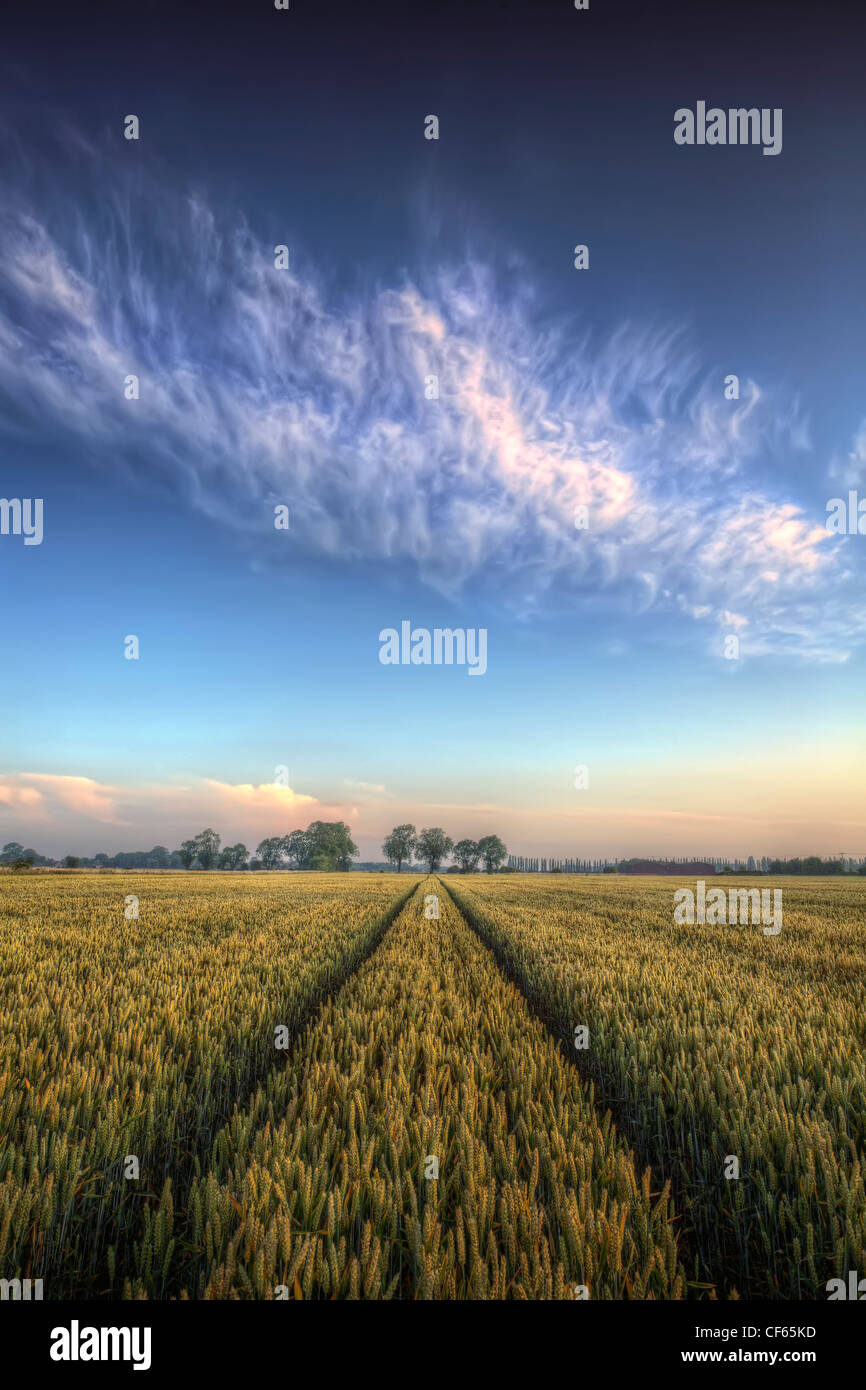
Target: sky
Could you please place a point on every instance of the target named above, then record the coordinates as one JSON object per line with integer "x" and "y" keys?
{"x": 466, "y": 430}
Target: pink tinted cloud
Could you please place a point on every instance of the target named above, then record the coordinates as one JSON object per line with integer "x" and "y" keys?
{"x": 36, "y": 795}
{"x": 66, "y": 808}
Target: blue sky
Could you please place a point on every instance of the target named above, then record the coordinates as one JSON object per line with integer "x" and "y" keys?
{"x": 557, "y": 388}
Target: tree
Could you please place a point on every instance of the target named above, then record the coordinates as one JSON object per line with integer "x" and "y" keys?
{"x": 188, "y": 852}
{"x": 434, "y": 845}
{"x": 400, "y": 845}
{"x": 331, "y": 846}
{"x": 159, "y": 857}
{"x": 270, "y": 852}
{"x": 324, "y": 845}
{"x": 297, "y": 848}
{"x": 492, "y": 851}
{"x": 208, "y": 847}
{"x": 71, "y": 861}
{"x": 467, "y": 854}
{"x": 13, "y": 854}
{"x": 234, "y": 857}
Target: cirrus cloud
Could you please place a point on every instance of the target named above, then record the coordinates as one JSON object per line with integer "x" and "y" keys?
{"x": 259, "y": 386}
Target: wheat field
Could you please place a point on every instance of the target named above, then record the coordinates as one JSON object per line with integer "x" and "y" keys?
{"x": 289, "y": 1085}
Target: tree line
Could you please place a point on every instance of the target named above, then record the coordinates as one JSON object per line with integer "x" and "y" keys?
{"x": 433, "y": 847}
{"x": 324, "y": 845}
{"x": 328, "y": 846}
{"x": 812, "y": 864}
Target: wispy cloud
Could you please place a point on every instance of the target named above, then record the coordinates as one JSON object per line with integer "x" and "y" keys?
{"x": 851, "y": 470}
{"x": 258, "y": 386}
